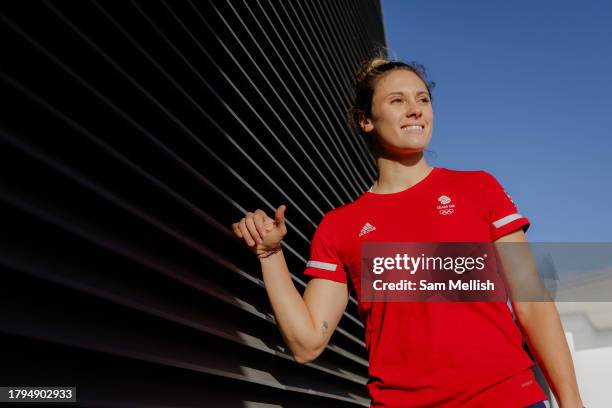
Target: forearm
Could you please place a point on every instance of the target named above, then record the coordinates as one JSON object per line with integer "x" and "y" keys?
{"x": 545, "y": 336}
{"x": 292, "y": 315}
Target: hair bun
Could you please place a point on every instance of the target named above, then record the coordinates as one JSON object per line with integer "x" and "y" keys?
{"x": 368, "y": 66}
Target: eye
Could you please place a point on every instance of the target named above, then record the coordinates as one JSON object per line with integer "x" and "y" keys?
{"x": 425, "y": 100}
{"x": 396, "y": 100}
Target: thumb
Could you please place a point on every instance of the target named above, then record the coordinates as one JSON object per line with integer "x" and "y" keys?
{"x": 279, "y": 217}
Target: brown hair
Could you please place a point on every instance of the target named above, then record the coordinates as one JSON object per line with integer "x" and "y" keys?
{"x": 366, "y": 78}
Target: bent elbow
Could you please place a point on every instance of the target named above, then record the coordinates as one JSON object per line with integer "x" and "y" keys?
{"x": 302, "y": 359}
{"x": 307, "y": 356}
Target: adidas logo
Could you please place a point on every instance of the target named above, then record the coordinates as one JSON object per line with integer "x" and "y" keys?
{"x": 367, "y": 228}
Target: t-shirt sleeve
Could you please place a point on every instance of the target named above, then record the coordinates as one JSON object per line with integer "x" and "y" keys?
{"x": 324, "y": 261}
{"x": 503, "y": 214}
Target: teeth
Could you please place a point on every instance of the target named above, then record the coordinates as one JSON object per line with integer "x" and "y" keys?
{"x": 412, "y": 128}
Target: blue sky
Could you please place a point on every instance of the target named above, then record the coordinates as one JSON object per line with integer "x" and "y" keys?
{"x": 524, "y": 91}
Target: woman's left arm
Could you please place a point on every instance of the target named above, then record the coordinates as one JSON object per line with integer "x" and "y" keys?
{"x": 539, "y": 319}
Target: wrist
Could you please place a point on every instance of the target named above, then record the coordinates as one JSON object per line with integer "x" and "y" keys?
{"x": 265, "y": 253}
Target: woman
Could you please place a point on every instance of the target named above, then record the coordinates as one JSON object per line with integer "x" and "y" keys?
{"x": 421, "y": 354}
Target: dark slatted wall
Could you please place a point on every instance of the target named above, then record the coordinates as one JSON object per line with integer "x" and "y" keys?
{"x": 132, "y": 135}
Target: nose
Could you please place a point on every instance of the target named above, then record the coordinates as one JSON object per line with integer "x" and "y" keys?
{"x": 413, "y": 109}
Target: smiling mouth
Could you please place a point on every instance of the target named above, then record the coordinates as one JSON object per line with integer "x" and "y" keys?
{"x": 413, "y": 128}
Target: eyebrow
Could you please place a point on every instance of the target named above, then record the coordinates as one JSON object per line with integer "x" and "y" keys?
{"x": 401, "y": 93}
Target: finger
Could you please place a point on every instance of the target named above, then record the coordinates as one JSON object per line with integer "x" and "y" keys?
{"x": 268, "y": 222}
{"x": 269, "y": 226}
{"x": 265, "y": 217}
{"x": 236, "y": 228}
{"x": 279, "y": 217}
{"x": 258, "y": 220}
{"x": 250, "y": 224}
{"x": 245, "y": 233}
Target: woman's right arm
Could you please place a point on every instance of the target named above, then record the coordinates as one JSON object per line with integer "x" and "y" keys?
{"x": 306, "y": 323}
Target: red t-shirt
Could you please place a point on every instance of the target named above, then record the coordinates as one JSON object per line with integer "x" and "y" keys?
{"x": 432, "y": 354}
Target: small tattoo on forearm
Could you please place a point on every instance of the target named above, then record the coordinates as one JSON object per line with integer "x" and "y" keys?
{"x": 325, "y": 326}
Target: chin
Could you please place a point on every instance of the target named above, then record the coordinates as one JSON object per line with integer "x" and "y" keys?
{"x": 412, "y": 142}
{"x": 409, "y": 145}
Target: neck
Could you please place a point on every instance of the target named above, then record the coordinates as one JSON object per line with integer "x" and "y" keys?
{"x": 399, "y": 173}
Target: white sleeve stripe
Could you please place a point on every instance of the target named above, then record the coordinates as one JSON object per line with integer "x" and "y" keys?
{"x": 322, "y": 265}
{"x": 506, "y": 220}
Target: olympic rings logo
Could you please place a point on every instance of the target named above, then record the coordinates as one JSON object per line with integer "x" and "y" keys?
{"x": 448, "y": 211}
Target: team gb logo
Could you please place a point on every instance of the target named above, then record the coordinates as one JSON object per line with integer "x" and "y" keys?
{"x": 446, "y": 206}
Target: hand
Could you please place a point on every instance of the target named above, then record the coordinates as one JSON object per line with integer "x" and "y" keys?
{"x": 260, "y": 232}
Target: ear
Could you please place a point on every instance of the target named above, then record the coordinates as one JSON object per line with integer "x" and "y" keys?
{"x": 366, "y": 123}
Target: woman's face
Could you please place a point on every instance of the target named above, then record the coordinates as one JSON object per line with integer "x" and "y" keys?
{"x": 402, "y": 115}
